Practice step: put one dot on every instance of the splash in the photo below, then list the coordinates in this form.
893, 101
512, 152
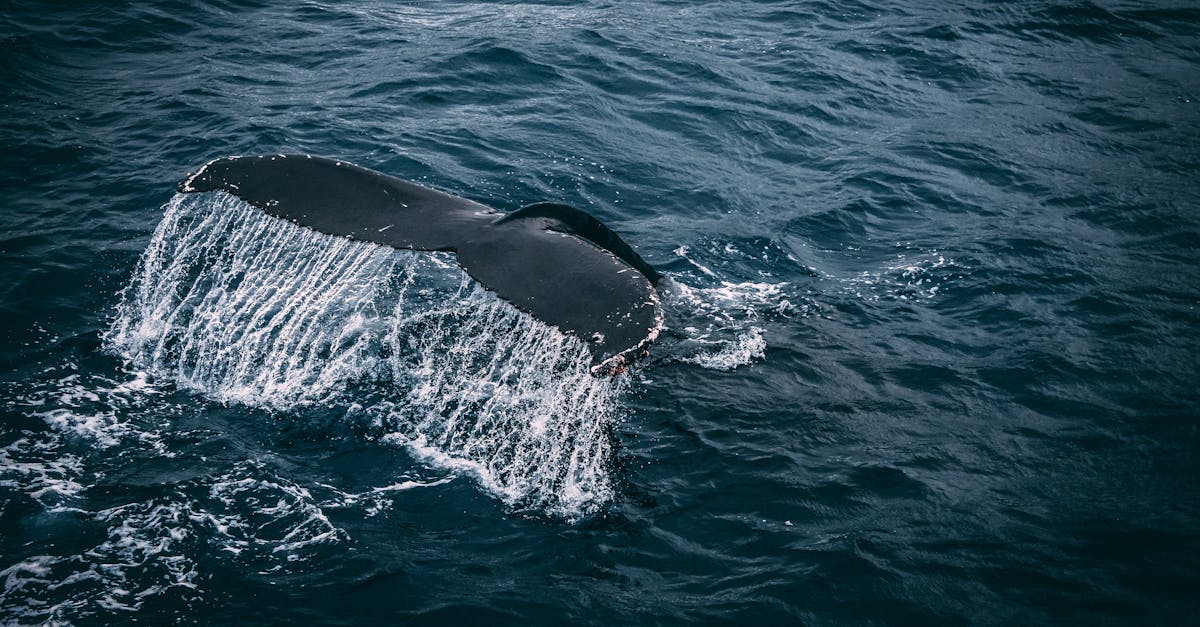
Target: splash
721, 321
249, 309
729, 354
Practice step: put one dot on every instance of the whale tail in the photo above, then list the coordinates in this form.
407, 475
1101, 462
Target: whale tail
552, 261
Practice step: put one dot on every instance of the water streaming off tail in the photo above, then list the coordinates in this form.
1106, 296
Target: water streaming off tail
246, 308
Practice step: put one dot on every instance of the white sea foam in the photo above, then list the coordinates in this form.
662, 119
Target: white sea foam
246, 308
260, 512
723, 317
376, 500
721, 323
92, 409
906, 277
727, 355
250, 516
50, 479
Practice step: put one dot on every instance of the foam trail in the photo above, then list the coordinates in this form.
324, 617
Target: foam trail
247, 308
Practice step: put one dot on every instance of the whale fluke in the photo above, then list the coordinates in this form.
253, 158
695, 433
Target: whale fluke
552, 261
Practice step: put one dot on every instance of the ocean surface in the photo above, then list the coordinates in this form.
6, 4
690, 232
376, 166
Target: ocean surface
932, 308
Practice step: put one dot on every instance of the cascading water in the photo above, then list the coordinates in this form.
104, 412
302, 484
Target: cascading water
246, 308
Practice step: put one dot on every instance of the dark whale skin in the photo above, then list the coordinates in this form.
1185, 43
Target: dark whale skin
552, 261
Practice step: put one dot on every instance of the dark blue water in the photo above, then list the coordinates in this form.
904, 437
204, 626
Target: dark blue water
933, 330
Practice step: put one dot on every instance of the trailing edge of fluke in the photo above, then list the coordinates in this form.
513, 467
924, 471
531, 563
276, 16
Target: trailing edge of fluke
552, 261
